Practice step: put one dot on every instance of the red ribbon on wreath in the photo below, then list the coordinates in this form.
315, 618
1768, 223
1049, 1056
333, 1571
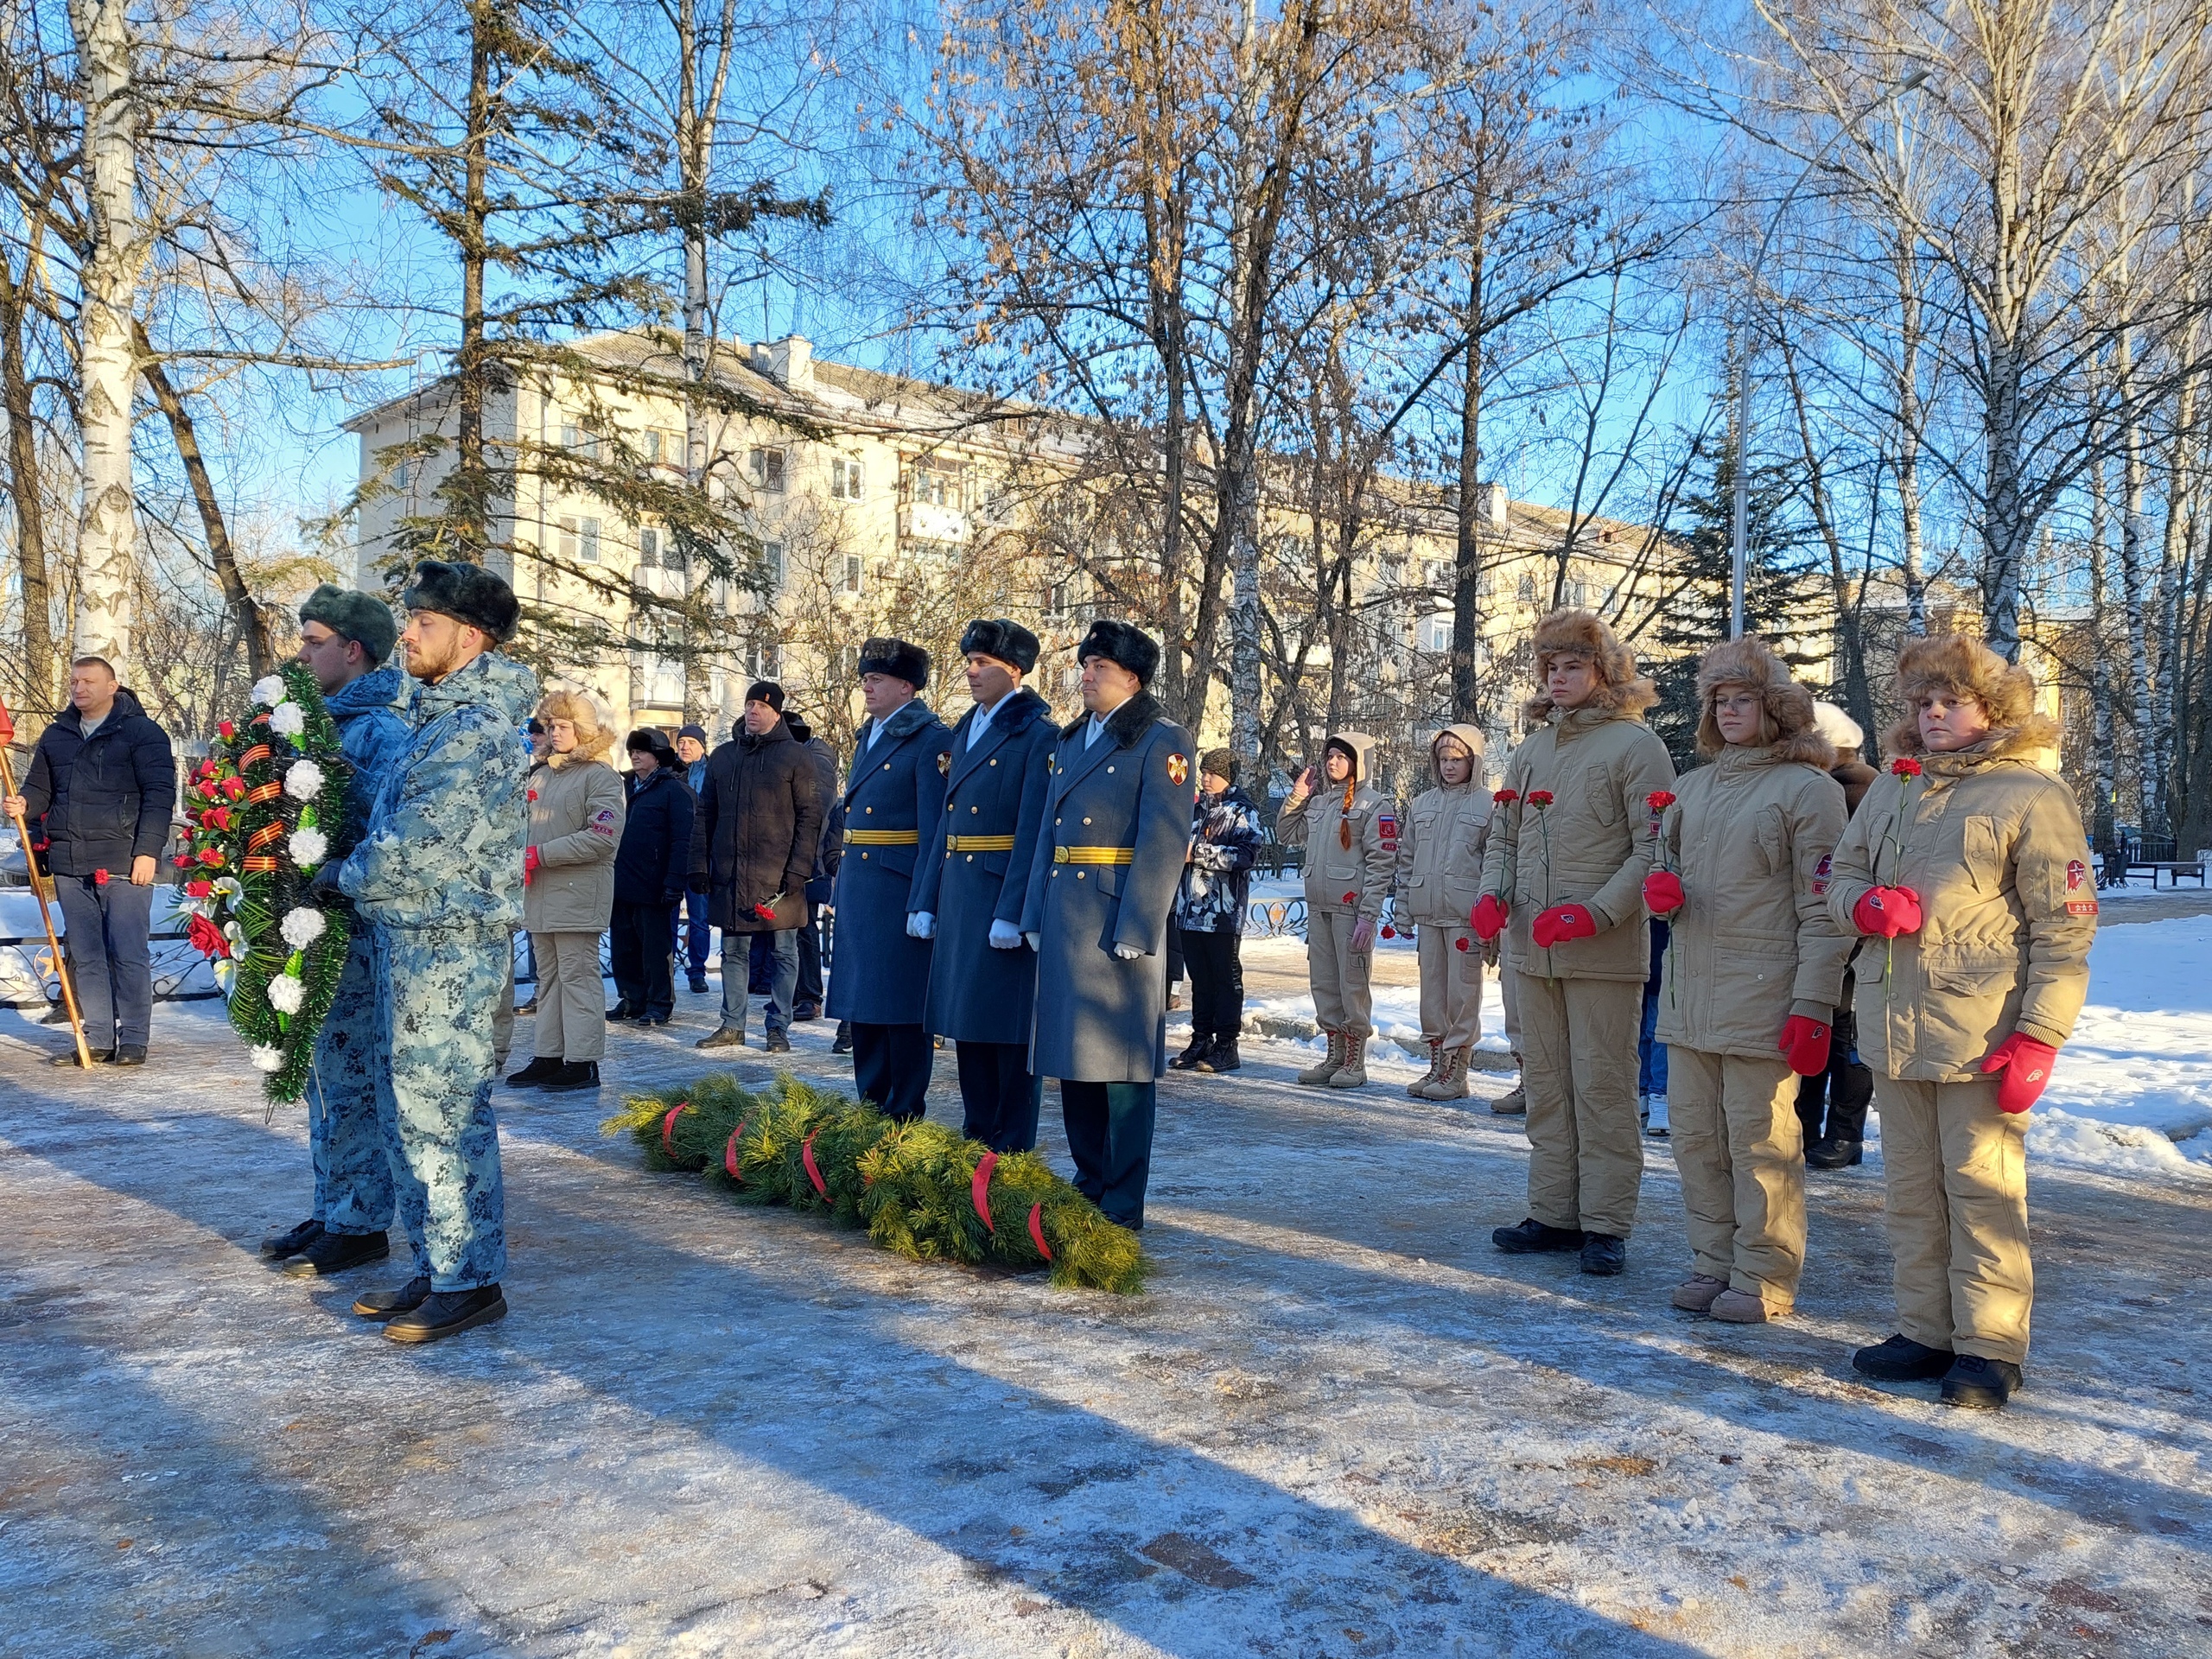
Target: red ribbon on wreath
253, 756
806, 1157
979, 1190
263, 836
1037, 1230
729, 1152
263, 865
668, 1128
260, 794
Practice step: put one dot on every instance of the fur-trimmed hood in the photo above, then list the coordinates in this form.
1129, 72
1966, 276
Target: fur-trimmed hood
593, 739
1127, 723
1962, 664
1789, 706
1621, 690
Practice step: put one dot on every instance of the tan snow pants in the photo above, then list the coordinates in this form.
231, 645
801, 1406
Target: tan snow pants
1509, 989
1585, 1149
1451, 985
571, 997
1341, 998
1957, 1177
1741, 1152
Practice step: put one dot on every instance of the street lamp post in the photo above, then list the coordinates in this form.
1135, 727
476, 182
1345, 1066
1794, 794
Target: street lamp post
1738, 539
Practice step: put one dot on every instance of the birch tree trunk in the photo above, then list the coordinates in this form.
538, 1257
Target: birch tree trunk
1467, 560
1243, 503
2133, 534
1908, 430
2100, 667
107, 356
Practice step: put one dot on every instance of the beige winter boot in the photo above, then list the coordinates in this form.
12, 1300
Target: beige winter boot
1352, 1074
1515, 1101
1318, 1073
1451, 1082
1419, 1087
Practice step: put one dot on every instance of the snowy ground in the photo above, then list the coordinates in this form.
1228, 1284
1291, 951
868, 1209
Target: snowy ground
1340, 1424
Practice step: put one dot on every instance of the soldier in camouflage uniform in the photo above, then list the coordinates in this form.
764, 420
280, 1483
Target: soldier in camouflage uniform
345, 637
438, 880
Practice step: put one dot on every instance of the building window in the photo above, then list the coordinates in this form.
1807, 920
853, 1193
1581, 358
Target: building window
934, 486
652, 449
844, 479
579, 542
648, 549
1528, 589
1436, 633
766, 468
852, 573
1056, 599
763, 659
772, 555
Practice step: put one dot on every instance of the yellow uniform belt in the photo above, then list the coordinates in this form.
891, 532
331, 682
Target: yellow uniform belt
883, 837
1094, 854
979, 843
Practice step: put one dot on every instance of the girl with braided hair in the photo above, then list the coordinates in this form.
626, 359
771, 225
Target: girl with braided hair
1351, 855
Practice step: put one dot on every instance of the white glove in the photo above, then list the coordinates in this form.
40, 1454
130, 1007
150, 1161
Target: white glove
1126, 953
1034, 941
921, 924
1005, 935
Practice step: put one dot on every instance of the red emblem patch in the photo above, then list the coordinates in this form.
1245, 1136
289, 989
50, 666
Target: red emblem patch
1821, 872
1388, 823
945, 764
2077, 880
1179, 770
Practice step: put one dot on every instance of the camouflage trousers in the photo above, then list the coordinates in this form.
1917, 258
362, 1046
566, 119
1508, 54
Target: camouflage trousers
437, 988
353, 1159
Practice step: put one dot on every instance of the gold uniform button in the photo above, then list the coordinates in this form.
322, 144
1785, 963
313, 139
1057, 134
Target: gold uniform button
971, 858
863, 857
1110, 769
886, 766
1078, 876
975, 809
995, 763
1086, 820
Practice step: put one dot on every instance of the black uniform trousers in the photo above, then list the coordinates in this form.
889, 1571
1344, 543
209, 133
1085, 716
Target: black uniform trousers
1217, 966
810, 959
1000, 1096
1839, 1094
892, 1065
1109, 1138
640, 958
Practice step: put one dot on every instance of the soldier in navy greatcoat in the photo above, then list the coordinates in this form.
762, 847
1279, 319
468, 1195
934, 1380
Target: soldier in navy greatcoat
894, 794
1110, 855
976, 882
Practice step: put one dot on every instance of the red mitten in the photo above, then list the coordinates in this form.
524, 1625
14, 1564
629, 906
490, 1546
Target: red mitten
529, 864
1488, 917
2026, 1065
1563, 922
1663, 892
1887, 912
1806, 1042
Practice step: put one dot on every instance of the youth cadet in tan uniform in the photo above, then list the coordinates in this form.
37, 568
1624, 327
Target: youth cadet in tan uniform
1440, 877
1351, 836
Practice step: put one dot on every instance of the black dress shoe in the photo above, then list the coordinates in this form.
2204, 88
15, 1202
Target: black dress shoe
1833, 1155
293, 1241
1981, 1384
447, 1313
336, 1252
541, 1069
1532, 1236
803, 1011
698, 984
1903, 1360
1221, 1057
574, 1074
129, 1054
1603, 1255
777, 1042
68, 1057
384, 1303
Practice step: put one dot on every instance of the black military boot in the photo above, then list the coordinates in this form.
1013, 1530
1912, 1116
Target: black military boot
336, 1252
1981, 1384
1532, 1236
1903, 1360
1833, 1155
447, 1313
541, 1069
130, 1054
293, 1241
386, 1304
1193, 1051
1221, 1057
1603, 1255
625, 1010
574, 1074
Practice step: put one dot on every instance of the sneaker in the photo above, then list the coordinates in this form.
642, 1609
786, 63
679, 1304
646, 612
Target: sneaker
722, 1037
1533, 1236
843, 1044
129, 1054
777, 1042
447, 1313
544, 1069
1901, 1359
574, 1074
1513, 1103
698, 985
1654, 1123
1221, 1057
1603, 1255
291, 1241
1741, 1307
1695, 1294
1833, 1155
337, 1252
1981, 1384
383, 1304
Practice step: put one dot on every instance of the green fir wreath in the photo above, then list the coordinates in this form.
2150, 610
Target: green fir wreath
261, 809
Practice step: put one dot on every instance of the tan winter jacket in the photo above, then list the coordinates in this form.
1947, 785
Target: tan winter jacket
1599, 762
1440, 847
1751, 838
575, 824
1366, 869
1992, 844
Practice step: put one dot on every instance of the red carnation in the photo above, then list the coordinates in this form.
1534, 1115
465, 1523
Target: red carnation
226, 728
1389, 932
1506, 796
1660, 799
212, 858
1459, 944
207, 939
199, 889
1905, 766
99, 878
531, 795
1540, 798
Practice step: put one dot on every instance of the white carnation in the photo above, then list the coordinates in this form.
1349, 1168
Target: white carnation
266, 1058
304, 781
286, 720
303, 924
286, 992
270, 691
308, 848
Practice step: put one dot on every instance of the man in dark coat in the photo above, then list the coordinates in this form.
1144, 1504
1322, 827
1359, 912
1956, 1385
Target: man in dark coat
975, 881
1110, 855
894, 792
652, 866
752, 846
104, 779
825, 874
694, 934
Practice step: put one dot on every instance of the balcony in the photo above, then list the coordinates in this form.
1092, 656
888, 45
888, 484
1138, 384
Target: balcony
925, 521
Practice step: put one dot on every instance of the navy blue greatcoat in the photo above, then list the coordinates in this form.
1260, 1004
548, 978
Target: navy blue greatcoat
894, 794
1110, 855
994, 793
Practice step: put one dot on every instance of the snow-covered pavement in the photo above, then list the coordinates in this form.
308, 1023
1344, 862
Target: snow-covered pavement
1340, 1423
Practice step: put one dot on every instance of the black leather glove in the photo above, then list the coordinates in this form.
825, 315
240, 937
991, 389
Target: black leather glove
322, 887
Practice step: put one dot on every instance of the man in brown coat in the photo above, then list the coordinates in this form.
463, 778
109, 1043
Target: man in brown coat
1564, 873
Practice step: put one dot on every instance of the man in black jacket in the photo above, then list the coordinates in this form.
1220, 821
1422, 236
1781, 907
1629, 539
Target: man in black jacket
651, 868
819, 889
753, 849
104, 779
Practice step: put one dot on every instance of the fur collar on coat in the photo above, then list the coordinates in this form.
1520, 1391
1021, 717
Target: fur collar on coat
1126, 724
1016, 715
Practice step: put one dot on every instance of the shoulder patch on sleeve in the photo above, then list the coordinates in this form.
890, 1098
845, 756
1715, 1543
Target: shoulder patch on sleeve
944, 763
1179, 770
602, 821
2081, 897
1387, 822
1822, 873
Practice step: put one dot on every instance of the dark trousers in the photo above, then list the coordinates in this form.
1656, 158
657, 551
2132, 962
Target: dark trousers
1840, 1094
1216, 965
107, 925
1000, 1096
1110, 1136
892, 1066
639, 959
809, 958
690, 934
